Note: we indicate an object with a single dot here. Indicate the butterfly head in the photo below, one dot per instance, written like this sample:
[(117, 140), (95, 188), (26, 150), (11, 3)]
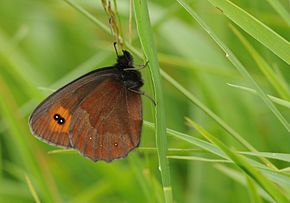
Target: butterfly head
[(128, 74), (125, 60)]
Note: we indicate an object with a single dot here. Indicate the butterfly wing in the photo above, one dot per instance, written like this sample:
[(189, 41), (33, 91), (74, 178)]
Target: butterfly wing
[(107, 124), (65, 102)]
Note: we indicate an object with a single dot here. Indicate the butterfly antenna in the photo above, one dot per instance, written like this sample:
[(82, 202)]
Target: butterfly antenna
[(115, 46)]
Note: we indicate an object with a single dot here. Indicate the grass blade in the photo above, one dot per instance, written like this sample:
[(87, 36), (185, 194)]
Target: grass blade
[(195, 158), (278, 176), (215, 117), (278, 156), (32, 189), (240, 178), (262, 33), (234, 60), (244, 165), (27, 158), (93, 193), (277, 100), (281, 10), (89, 16), (264, 66), (147, 42), (254, 195)]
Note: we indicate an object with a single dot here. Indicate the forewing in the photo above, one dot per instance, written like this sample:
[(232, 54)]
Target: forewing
[(64, 102), (107, 125)]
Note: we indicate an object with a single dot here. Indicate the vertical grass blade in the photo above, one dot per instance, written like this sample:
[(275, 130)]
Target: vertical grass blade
[(146, 38)]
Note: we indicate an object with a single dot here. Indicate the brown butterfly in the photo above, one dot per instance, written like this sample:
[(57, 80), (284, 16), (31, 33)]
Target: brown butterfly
[(98, 114)]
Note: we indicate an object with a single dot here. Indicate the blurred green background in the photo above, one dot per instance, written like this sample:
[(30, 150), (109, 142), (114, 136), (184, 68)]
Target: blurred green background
[(45, 44)]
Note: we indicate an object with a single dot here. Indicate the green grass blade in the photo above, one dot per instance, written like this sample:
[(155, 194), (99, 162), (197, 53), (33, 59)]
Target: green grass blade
[(195, 158), (61, 151), (274, 174), (261, 32), (281, 10), (20, 140), (200, 143), (12, 61), (14, 189), (240, 178), (146, 38), (144, 178), (277, 100), (234, 60), (264, 66), (153, 149), (93, 193), (277, 156), (32, 189), (215, 117), (195, 141), (244, 165), (89, 16), (285, 170), (254, 195)]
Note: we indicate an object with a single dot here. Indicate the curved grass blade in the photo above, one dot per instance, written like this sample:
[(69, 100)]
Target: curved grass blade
[(277, 100), (264, 66), (241, 179), (215, 117), (261, 32), (278, 176), (244, 165), (234, 60)]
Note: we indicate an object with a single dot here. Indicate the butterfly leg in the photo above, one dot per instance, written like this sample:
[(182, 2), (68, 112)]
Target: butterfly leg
[(143, 94), (140, 67)]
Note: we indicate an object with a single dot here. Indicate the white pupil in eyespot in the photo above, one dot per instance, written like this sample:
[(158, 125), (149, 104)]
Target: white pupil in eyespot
[(59, 119)]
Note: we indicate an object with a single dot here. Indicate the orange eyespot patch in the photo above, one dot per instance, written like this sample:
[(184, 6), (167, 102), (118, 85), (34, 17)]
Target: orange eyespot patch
[(60, 120)]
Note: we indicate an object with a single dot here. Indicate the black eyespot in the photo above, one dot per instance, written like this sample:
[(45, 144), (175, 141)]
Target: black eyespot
[(61, 121), (56, 117)]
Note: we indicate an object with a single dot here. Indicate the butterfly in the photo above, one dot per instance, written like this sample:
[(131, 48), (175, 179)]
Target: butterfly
[(99, 114)]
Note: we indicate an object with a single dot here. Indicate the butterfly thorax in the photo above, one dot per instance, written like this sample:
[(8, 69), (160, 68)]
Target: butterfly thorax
[(132, 79), (128, 74)]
